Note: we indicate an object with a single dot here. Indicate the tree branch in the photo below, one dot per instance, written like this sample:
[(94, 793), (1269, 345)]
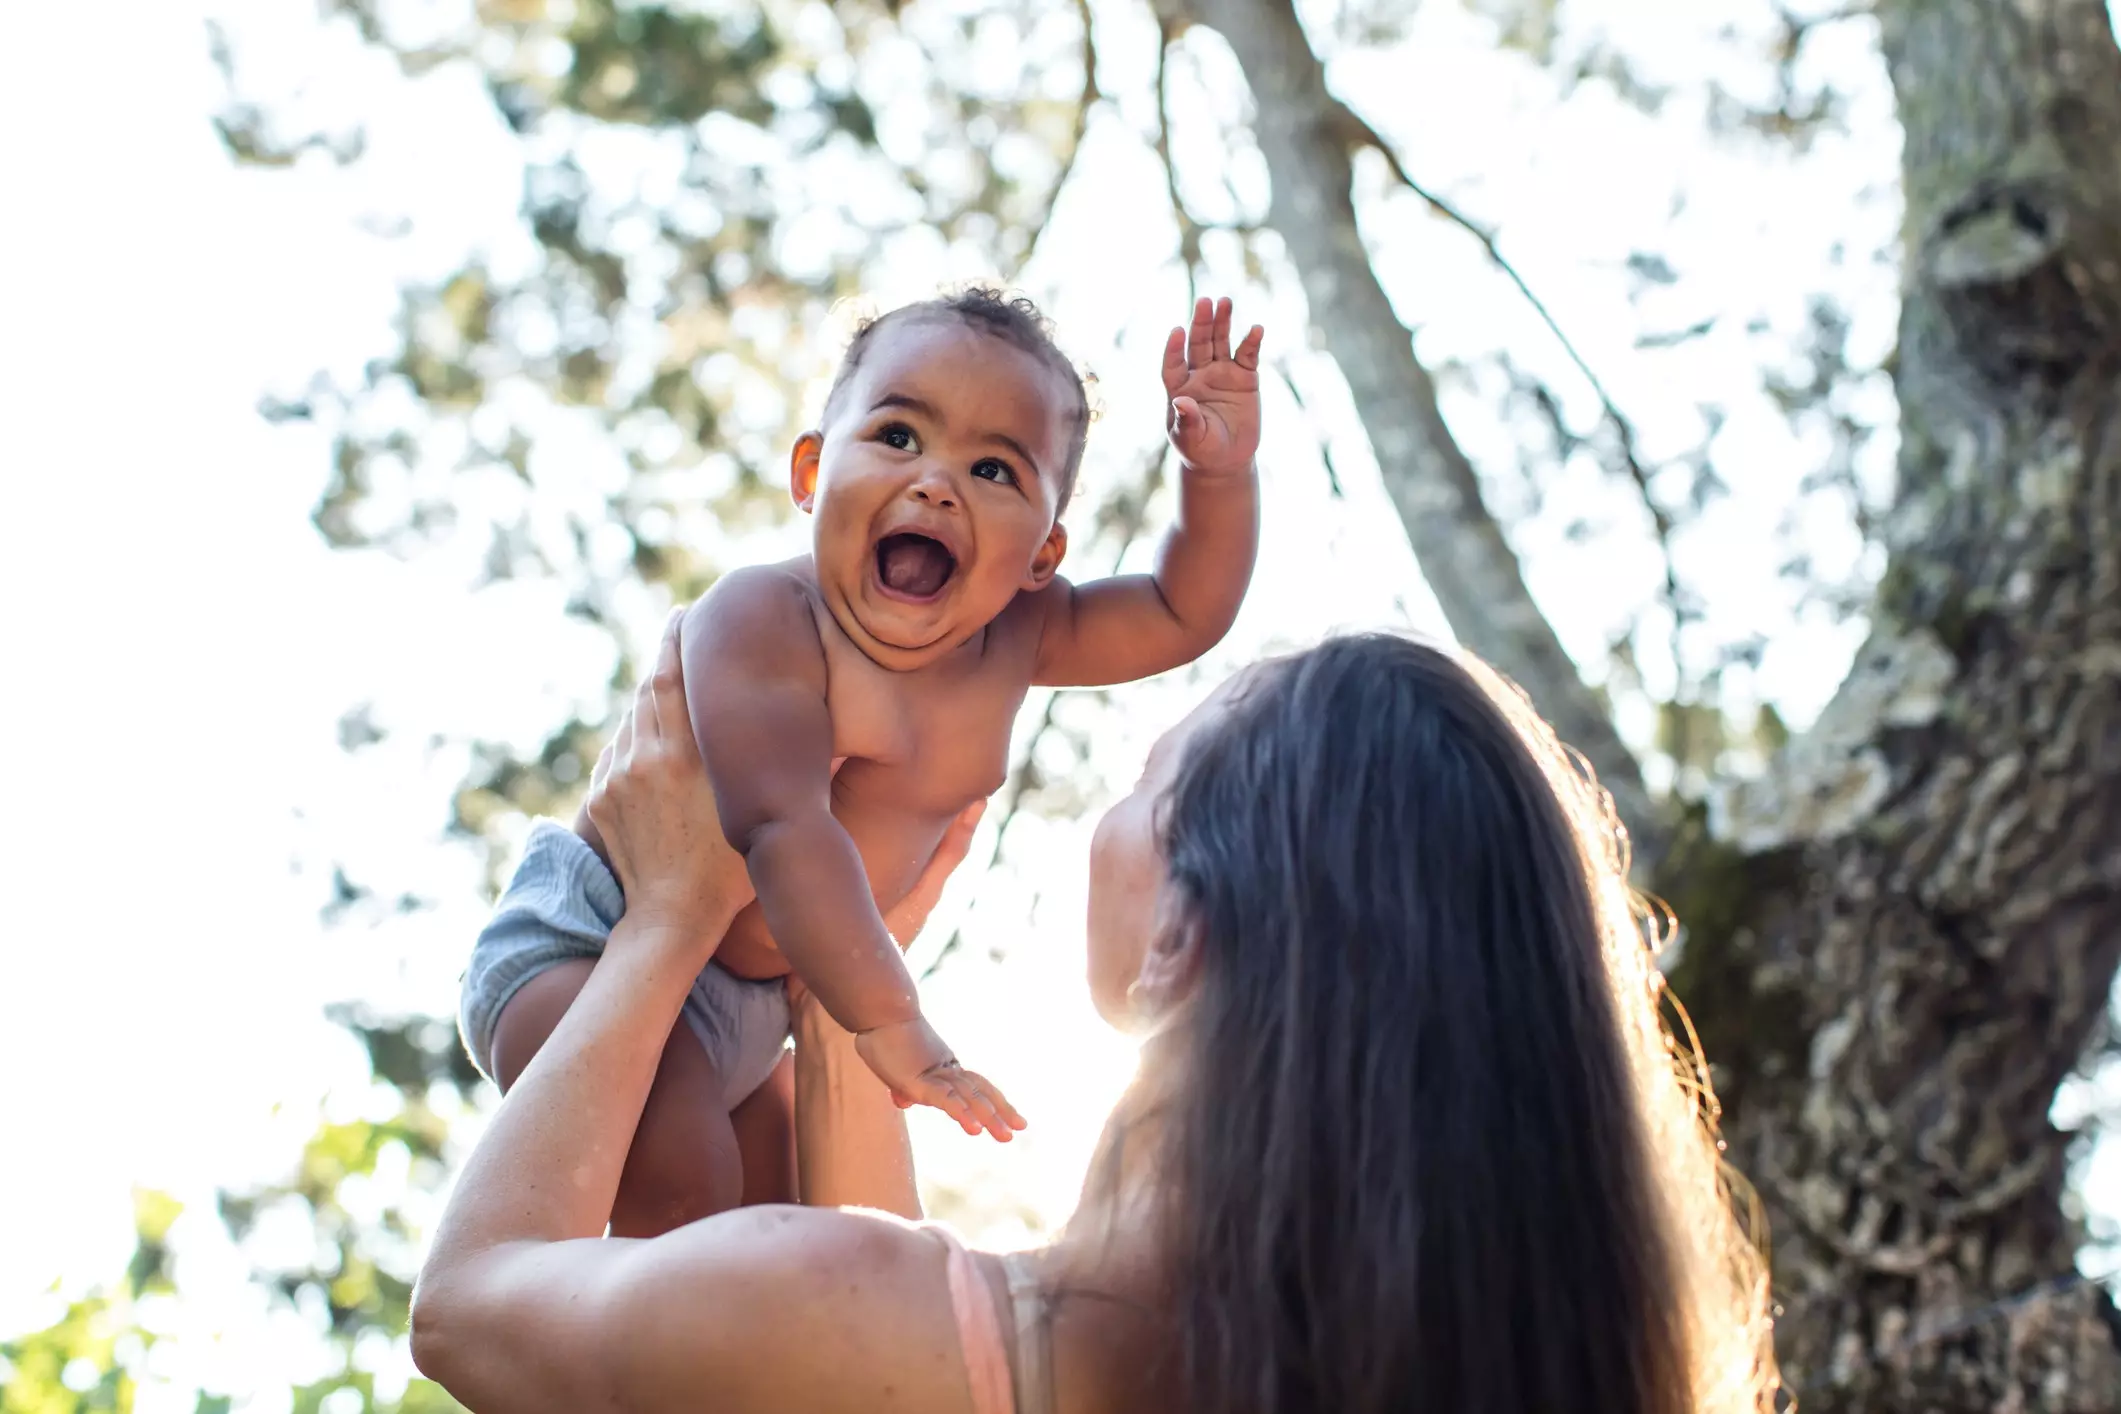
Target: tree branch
[(1305, 134), (1325, 442), (1661, 522), (1089, 99), (1188, 228)]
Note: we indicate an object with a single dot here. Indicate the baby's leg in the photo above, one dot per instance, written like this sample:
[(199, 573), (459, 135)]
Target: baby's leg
[(684, 1163), (765, 1136)]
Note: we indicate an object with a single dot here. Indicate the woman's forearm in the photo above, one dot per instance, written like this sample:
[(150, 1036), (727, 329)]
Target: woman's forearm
[(549, 1166), (851, 1145)]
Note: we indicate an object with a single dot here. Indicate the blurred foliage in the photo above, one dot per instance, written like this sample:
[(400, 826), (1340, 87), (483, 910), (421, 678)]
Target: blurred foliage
[(1792, 108), (362, 1191), (90, 1359), (355, 1204), (700, 188), (548, 785), (81, 1362)]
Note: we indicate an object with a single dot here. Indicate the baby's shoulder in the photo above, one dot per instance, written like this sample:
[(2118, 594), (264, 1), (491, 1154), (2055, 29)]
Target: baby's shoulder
[(1009, 647), (1016, 630), (776, 594), (762, 619)]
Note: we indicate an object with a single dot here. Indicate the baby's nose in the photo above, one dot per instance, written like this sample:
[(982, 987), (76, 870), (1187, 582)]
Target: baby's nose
[(935, 491)]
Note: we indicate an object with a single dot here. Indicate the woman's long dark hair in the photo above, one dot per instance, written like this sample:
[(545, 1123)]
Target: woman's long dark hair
[(1434, 1152)]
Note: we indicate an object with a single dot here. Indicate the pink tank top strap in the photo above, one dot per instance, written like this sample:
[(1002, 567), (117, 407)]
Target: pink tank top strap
[(979, 1331)]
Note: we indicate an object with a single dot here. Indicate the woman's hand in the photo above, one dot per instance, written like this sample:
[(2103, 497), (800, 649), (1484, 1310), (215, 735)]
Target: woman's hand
[(911, 913), (650, 799)]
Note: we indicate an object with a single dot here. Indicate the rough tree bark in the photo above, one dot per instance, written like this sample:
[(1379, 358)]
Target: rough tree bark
[(1927, 901), (1307, 137), (1902, 941)]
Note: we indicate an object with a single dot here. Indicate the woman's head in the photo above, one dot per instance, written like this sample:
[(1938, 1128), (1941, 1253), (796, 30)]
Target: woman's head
[(1427, 1146)]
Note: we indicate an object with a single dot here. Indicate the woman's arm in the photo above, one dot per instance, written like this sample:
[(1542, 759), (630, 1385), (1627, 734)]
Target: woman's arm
[(589, 1082), (522, 1307), (851, 1145), (539, 1187)]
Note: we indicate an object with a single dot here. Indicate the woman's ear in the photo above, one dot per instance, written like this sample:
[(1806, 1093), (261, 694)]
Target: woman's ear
[(1047, 562), (1170, 974), (802, 470)]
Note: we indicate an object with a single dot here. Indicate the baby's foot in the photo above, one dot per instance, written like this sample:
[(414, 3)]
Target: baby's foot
[(913, 1061)]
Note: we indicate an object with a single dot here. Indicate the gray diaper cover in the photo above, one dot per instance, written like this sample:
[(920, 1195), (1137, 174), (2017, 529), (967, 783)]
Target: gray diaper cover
[(563, 903)]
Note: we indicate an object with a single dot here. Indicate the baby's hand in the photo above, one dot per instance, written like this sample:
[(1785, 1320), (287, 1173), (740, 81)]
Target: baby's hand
[(1214, 412), (913, 1061)]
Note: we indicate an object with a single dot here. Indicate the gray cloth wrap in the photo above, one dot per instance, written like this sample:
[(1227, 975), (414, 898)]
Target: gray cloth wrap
[(563, 903)]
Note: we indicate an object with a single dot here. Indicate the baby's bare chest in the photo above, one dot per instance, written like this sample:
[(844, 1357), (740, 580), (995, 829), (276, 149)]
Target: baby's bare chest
[(925, 745)]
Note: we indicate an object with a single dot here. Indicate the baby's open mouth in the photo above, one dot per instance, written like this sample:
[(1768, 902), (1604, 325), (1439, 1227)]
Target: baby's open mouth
[(914, 565)]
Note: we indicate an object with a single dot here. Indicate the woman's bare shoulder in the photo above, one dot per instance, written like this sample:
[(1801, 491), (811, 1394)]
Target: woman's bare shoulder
[(774, 1308)]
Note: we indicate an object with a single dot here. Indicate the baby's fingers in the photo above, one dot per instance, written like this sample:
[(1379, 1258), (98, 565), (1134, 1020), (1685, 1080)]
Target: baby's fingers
[(1200, 339), (1247, 355), (1175, 361), (996, 1102), (989, 1106), (935, 1091), (971, 1101)]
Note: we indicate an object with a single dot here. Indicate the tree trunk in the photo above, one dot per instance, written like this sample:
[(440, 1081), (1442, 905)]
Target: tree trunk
[(1921, 914), (1306, 136), (1900, 943)]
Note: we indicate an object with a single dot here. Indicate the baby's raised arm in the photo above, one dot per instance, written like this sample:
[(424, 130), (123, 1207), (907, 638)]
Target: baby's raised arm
[(1135, 626), (755, 687)]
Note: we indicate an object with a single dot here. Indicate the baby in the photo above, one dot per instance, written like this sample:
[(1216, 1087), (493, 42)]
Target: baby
[(851, 703)]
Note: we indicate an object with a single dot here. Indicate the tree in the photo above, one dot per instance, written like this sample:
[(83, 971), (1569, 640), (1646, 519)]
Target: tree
[(1896, 942)]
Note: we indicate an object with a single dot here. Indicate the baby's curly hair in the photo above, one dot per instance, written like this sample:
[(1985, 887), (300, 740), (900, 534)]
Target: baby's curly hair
[(991, 310)]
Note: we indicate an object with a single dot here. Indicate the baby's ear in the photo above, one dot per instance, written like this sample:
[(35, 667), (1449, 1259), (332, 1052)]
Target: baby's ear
[(802, 470), (1047, 562)]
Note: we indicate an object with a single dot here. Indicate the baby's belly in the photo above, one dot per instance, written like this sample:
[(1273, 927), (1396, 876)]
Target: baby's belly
[(894, 853)]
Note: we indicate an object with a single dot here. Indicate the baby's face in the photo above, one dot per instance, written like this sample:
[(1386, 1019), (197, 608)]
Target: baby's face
[(935, 487)]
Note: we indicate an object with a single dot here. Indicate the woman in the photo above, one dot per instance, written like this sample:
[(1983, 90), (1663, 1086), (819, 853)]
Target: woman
[(1407, 1132)]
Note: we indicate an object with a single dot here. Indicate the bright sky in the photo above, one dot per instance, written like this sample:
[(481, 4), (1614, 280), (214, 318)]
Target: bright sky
[(178, 644)]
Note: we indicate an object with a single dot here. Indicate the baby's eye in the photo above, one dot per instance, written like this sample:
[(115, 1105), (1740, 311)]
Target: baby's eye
[(900, 437), (992, 470)]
